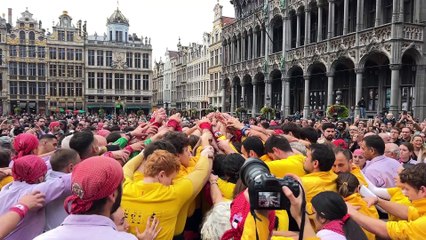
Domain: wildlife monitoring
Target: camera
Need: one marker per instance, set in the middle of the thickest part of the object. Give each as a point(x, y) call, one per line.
point(265, 190)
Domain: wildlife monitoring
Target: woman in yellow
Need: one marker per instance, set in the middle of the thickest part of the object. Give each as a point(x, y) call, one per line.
point(157, 196)
point(348, 187)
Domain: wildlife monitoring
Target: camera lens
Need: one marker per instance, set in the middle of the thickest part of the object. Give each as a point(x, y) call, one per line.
point(252, 168)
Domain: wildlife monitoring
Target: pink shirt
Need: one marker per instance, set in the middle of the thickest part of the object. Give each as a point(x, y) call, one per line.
point(381, 171)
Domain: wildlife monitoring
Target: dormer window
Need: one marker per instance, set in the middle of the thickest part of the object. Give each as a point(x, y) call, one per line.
point(22, 25)
point(31, 25)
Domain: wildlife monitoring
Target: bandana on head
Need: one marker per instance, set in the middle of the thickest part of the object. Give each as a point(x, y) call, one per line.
point(53, 124)
point(93, 179)
point(358, 152)
point(103, 132)
point(28, 169)
point(24, 143)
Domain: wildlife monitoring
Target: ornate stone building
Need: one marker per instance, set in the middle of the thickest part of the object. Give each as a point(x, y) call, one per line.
point(157, 84)
point(26, 59)
point(170, 77)
point(118, 68)
point(295, 55)
point(65, 79)
point(4, 27)
point(215, 91)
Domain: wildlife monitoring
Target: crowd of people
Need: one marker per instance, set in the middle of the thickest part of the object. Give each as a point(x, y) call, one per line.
point(78, 176)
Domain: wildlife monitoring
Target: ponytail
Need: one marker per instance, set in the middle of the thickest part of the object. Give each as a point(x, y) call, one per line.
point(353, 231)
point(347, 184)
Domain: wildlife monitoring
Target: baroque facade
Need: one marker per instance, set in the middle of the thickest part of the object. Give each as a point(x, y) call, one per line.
point(69, 70)
point(296, 55)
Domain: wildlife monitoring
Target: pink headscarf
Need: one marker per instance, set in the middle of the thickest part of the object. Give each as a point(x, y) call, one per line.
point(103, 132)
point(24, 144)
point(358, 152)
point(28, 169)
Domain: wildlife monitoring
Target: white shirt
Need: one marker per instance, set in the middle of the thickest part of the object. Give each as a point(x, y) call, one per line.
point(325, 234)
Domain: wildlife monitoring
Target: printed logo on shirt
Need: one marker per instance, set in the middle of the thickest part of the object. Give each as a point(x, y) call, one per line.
point(236, 219)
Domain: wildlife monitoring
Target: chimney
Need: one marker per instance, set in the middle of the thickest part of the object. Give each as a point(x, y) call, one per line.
point(9, 16)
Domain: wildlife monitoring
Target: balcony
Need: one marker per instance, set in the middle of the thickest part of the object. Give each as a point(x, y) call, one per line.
point(118, 92)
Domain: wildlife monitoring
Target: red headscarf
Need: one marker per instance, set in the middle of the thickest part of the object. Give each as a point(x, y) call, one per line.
point(28, 169)
point(53, 124)
point(24, 143)
point(103, 132)
point(93, 179)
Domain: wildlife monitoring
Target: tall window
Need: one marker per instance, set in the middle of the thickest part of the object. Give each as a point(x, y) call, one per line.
point(70, 71)
point(78, 71)
point(70, 54)
point(61, 53)
point(62, 89)
point(137, 82)
point(22, 37)
point(118, 36)
point(52, 70)
point(91, 80)
point(31, 37)
point(145, 82)
point(129, 59)
point(61, 35)
point(100, 80)
point(70, 89)
point(61, 70)
point(1, 56)
point(31, 51)
point(78, 55)
point(119, 81)
point(100, 57)
point(145, 60)
point(42, 88)
point(52, 53)
point(22, 51)
point(41, 70)
point(91, 57)
point(12, 51)
point(13, 88)
point(22, 88)
point(108, 58)
point(78, 90)
point(32, 69)
point(108, 80)
point(137, 60)
point(41, 52)
point(22, 69)
point(32, 88)
point(129, 81)
point(70, 36)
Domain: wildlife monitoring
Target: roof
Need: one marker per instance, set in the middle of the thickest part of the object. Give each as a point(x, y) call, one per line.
point(118, 17)
point(227, 20)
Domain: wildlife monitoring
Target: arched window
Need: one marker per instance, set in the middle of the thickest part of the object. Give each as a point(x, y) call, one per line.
point(31, 37)
point(22, 37)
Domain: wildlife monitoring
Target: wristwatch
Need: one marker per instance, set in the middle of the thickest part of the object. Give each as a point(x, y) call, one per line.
point(129, 134)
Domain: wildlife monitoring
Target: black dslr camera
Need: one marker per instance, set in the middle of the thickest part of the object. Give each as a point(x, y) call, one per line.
point(265, 190)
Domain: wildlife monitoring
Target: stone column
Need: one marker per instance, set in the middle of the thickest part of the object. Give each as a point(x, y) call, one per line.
point(283, 95)
point(420, 97)
point(238, 58)
point(319, 37)
point(255, 53)
point(262, 42)
point(298, 29)
point(358, 87)
point(395, 81)
point(306, 106)
point(395, 13)
point(254, 107)
point(379, 10)
point(360, 15)
point(307, 25)
point(249, 48)
point(233, 98)
point(268, 92)
point(417, 10)
point(331, 8)
point(401, 10)
point(243, 48)
point(345, 17)
point(243, 94)
point(287, 97)
point(231, 53)
point(223, 95)
point(285, 35)
point(330, 76)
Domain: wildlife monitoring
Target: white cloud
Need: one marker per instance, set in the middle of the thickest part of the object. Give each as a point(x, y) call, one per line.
point(162, 20)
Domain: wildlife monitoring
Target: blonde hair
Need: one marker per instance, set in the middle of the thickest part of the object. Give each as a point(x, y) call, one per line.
point(161, 160)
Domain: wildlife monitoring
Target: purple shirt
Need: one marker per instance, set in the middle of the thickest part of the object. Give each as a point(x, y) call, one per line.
point(381, 171)
point(93, 227)
point(55, 211)
point(33, 223)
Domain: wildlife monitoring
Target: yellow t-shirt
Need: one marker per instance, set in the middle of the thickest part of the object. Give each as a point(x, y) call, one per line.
point(265, 158)
point(356, 171)
point(414, 228)
point(141, 200)
point(317, 182)
point(398, 197)
point(226, 188)
point(356, 200)
point(5, 181)
point(292, 164)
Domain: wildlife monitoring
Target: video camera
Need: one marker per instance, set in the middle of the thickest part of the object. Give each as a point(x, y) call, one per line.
point(265, 190)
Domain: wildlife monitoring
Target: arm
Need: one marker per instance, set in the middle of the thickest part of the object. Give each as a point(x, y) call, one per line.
point(130, 167)
point(214, 190)
point(396, 209)
point(370, 224)
point(55, 188)
point(199, 176)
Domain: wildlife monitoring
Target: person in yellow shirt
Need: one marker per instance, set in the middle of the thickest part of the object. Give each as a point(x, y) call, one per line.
point(231, 170)
point(284, 159)
point(252, 147)
point(413, 225)
point(157, 196)
point(348, 187)
point(344, 164)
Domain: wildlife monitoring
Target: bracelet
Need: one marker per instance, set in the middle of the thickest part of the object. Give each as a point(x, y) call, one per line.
point(211, 183)
point(20, 209)
point(205, 125)
point(147, 142)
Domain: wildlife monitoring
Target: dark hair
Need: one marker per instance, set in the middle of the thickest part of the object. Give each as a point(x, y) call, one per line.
point(408, 145)
point(265, 125)
point(61, 158)
point(327, 125)
point(331, 206)
point(98, 205)
point(293, 128)
point(113, 136)
point(309, 133)
point(4, 158)
point(324, 155)
point(82, 142)
point(47, 137)
point(346, 152)
point(277, 142)
point(218, 163)
point(178, 139)
point(375, 142)
point(254, 143)
point(231, 166)
point(193, 140)
point(347, 184)
point(414, 176)
point(158, 145)
point(239, 187)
